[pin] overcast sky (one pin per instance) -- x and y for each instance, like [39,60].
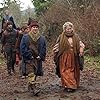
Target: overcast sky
[25,4]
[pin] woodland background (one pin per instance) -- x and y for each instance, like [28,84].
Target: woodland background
[52,14]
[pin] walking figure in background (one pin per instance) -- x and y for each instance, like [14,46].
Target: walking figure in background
[33,50]
[66,53]
[5,19]
[8,41]
[24,30]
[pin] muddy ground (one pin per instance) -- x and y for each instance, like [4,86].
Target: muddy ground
[15,88]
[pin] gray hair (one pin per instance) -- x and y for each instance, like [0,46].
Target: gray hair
[67,24]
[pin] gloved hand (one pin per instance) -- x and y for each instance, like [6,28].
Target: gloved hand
[38,57]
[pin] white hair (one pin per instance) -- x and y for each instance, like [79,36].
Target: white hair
[67,24]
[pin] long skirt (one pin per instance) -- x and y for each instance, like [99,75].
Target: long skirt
[69,70]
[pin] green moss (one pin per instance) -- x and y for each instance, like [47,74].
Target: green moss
[93,62]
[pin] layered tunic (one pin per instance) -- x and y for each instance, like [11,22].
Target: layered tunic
[8,41]
[30,51]
[68,49]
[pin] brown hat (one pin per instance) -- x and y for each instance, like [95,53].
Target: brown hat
[24,27]
[34,23]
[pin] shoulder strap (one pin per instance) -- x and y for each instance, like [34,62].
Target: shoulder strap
[33,47]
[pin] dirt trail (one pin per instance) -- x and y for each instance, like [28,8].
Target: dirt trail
[15,88]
